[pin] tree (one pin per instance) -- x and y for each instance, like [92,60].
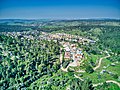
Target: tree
[75,84]
[89,69]
[87,85]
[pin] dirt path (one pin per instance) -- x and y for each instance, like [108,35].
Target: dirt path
[78,77]
[99,64]
[100,60]
[81,71]
[115,82]
[95,85]
[61,58]
[108,81]
[63,69]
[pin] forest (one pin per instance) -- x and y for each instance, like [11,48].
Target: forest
[34,64]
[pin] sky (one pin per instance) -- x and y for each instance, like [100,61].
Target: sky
[59,9]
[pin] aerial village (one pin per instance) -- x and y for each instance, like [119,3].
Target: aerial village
[72,52]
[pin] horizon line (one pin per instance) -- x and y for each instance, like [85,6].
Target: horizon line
[99,18]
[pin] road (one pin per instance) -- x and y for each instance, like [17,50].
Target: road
[78,77]
[115,82]
[61,58]
[99,64]
[108,81]
[63,69]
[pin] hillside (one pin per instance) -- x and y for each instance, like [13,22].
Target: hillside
[60,54]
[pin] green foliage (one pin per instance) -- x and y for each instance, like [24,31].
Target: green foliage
[27,61]
[111,38]
[16,28]
[76,84]
[96,32]
[34,64]
[89,69]
[66,63]
[107,86]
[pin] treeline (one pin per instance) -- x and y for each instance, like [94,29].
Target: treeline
[111,39]
[14,28]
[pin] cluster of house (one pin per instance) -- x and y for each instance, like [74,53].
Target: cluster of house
[67,37]
[108,72]
[72,52]
[25,34]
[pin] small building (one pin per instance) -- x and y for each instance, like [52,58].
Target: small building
[112,64]
[67,55]
[67,48]
[79,52]
[103,71]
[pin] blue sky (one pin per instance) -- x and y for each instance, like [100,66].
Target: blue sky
[59,9]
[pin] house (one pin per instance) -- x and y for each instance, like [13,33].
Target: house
[67,55]
[67,48]
[112,64]
[79,56]
[76,57]
[79,52]
[103,71]
[92,41]
[73,47]
[104,67]
[74,40]
[44,33]
[66,44]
